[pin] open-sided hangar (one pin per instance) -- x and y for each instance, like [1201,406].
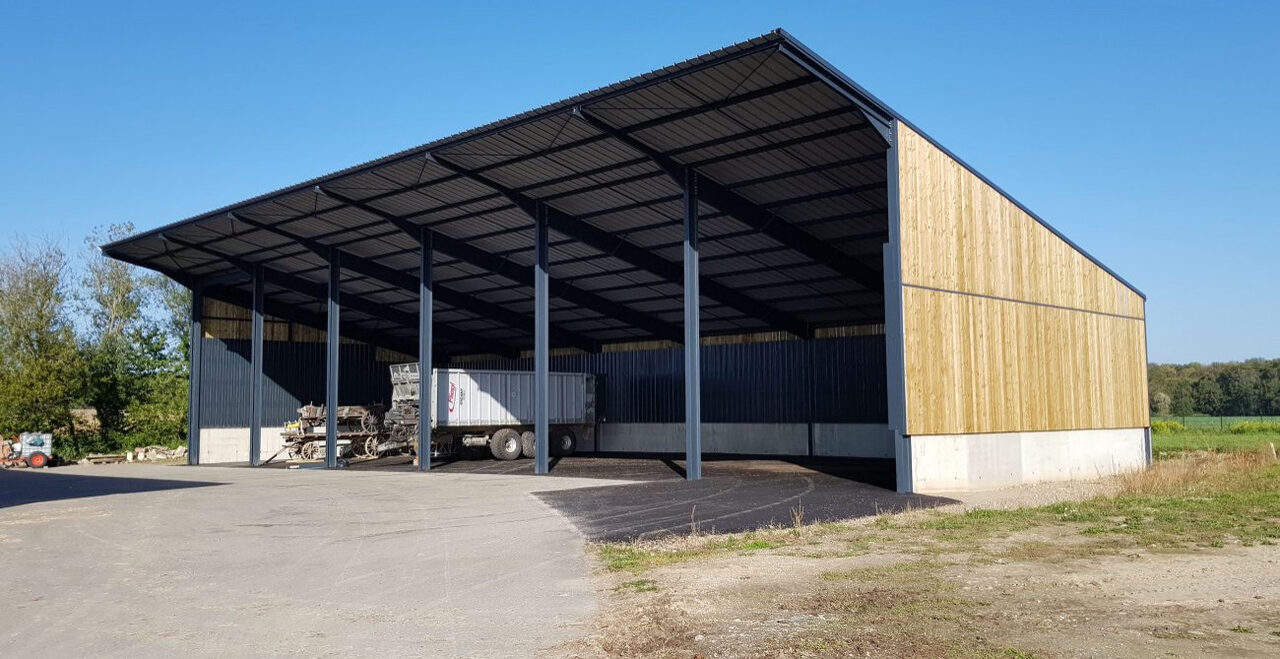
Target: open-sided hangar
[857,289]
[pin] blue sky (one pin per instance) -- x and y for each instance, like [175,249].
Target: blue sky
[1148,132]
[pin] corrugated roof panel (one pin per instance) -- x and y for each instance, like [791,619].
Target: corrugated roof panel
[642,205]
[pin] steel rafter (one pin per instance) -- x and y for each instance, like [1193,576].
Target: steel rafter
[449,296]
[599,170]
[523,275]
[320,291]
[764,130]
[620,248]
[309,318]
[742,210]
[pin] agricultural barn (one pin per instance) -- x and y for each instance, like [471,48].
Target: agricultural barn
[748,241]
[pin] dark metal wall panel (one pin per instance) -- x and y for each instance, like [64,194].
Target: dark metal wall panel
[838,380]
[820,381]
[294,376]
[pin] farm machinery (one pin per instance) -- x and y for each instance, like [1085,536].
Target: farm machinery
[361,432]
[483,411]
[473,412]
[30,449]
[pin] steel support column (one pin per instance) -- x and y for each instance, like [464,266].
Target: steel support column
[332,345]
[541,346]
[425,380]
[193,375]
[692,334]
[255,374]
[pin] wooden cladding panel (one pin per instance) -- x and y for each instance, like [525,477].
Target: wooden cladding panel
[223,320]
[1007,327]
[961,234]
[977,364]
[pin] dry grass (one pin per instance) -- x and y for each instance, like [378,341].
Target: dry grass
[656,630]
[1195,473]
[849,605]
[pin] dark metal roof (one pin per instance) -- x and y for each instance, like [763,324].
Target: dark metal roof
[791,158]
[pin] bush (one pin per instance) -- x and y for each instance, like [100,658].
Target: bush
[1167,427]
[1254,427]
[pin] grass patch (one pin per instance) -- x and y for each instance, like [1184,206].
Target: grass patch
[639,557]
[638,586]
[1241,629]
[881,573]
[902,609]
[1207,500]
[1177,444]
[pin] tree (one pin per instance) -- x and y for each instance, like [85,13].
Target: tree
[41,372]
[1181,398]
[1161,404]
[1241,389]
[1208,396]
[134,347]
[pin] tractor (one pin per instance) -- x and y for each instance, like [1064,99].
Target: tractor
[30,449]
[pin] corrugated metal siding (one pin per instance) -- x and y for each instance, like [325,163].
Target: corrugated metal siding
[294,376]
[821,381]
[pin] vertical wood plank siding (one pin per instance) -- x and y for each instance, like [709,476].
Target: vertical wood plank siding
[1007,327]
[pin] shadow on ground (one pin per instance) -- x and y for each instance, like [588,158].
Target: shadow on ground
[20,486]
[734,495]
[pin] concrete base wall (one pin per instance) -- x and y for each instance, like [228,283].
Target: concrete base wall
[232,444]
[829,439]
[792,439]
[947,463]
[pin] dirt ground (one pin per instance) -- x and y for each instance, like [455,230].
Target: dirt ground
[872,589]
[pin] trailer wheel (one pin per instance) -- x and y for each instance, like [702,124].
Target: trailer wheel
[528,444]
[505,444]
[38,461]
[563,442]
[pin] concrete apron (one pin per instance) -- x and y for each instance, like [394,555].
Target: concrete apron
[230,561]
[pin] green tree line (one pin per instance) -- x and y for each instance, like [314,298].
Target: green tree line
[1248,388]
[94,352]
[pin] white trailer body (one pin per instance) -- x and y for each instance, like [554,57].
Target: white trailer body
[494,408]
[481,398]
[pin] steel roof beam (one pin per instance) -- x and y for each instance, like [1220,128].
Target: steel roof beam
[320,291]
[881,120]
[228,293]
[612,245]
[521,274]
[605,169]
[409,283]
[635,161]
[314,320]
[657,121]
[748,213]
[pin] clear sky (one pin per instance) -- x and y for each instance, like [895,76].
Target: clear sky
[1148,132]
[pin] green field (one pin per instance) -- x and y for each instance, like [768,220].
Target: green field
[1214,433]
[1219,423]
[1172,444]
